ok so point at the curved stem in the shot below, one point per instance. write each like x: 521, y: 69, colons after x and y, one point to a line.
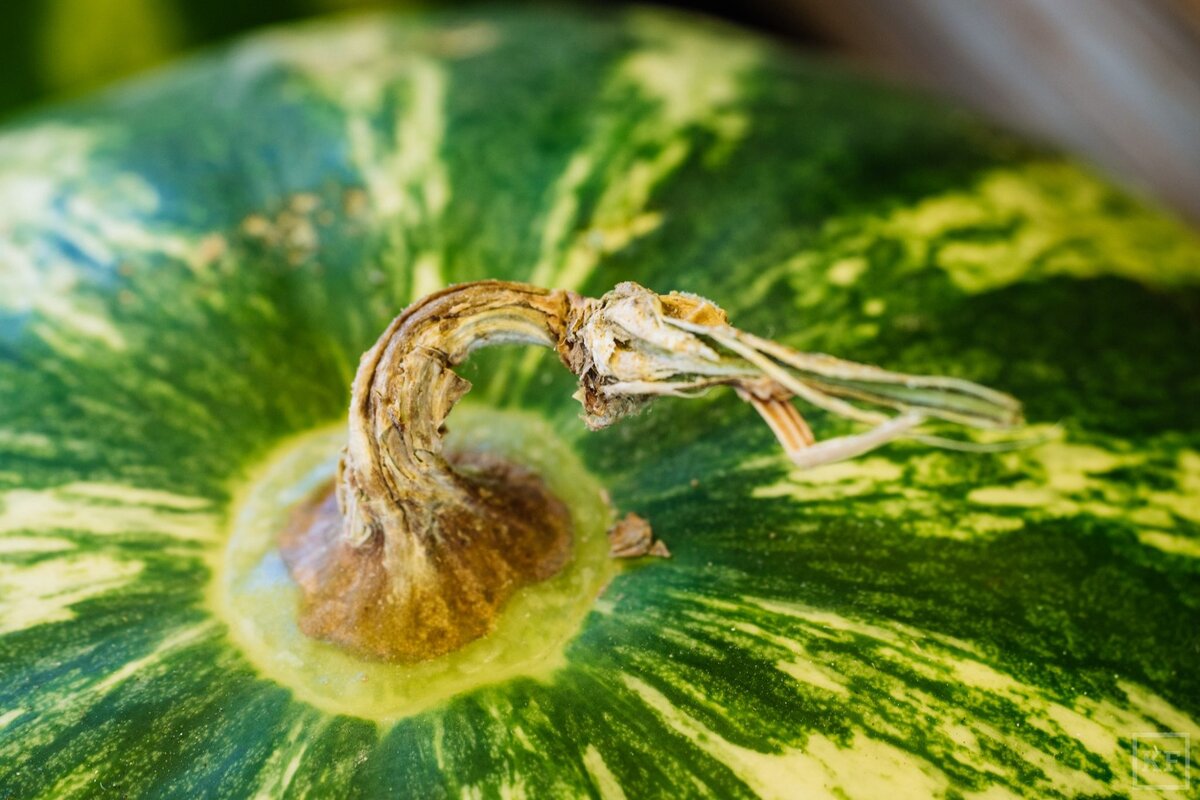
x: 405, y: 388
x: 418, y: 555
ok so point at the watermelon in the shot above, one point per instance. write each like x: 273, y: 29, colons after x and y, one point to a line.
x: 192, y: 264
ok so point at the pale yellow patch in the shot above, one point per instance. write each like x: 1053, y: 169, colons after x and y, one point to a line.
x: 894, y: 634
x: 27, y: 441
x: 1069, y: 479
x: 1185, y: 500
x: 349, y: 48
x: 519, y: 734
x: 692, y: 72
x: 50, y: 191
x: 1021, y: 497
x: 846, y: 271
x: 439, y: 741
x: 1102, y: 726
x: 983, y: 676
x: 134, y: 495
x: 691, y: 75
x: 1054, y: 479
x: 836, y: 481
x: 63, y: 312
x: 286, y: 758
x: 868, y: 768
x: 1068, y: 465
x: 564, y: 205
x: 804, y: 666
x: 407, y: 177
x: 612, y: 240
x: 107, y: 509
x: 81, y: 783
x: 1054, y: 221
x: 364, y: 66
x: 1155, y: 708
x: 10, y: 545
x: 513, y: 789
x: 178, y: 640
x: 602, y: 777
x: 909, y: 490
x: 427, y: 275
x: 975, y: 524
x: 603, y: 606
x: 758, y: 287
x: 1014, y: 223
x: 1169, y: 543
x: 41, y: 593
x: 808, y: 672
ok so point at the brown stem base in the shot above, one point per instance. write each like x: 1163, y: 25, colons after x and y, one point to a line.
x: 505, y: 530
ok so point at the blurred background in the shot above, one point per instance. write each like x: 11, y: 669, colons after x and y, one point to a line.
x: 1115, y: 81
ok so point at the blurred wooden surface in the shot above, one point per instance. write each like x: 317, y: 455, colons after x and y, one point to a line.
x: 1116, y: 81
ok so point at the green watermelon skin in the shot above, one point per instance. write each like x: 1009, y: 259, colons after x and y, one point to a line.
x: 193, y: 262
x: 53, y: 48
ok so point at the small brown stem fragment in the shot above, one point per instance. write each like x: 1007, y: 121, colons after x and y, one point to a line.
x: 414, y: 553
x: 632, y: 537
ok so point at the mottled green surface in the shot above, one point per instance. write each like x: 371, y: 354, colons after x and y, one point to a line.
x: 54, y: 48
x: 190, y: 267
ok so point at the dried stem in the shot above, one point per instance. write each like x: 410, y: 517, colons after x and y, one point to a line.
x: 436, y: 552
